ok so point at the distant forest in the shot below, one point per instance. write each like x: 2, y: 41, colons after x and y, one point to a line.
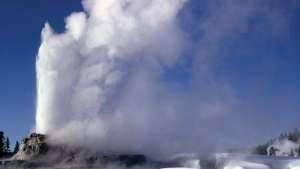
x: 269, y: 148
x: 5, y: 149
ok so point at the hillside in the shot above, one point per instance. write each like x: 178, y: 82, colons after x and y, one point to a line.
x: 287, y: 144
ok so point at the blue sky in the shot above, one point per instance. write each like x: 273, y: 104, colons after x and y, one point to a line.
x: 257, y: 53
x: 20, y: 30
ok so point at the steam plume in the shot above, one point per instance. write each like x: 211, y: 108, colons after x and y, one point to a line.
x: 102, y: 82
x: 84, y: 73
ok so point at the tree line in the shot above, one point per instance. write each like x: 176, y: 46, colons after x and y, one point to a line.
x: 293, y: 136
x: 5, y: 149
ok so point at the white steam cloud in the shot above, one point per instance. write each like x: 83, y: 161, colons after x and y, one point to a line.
x: 84, y: 74
x: 102, y: 82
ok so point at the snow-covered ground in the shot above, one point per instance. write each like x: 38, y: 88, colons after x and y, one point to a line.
x: 240, y: 161
x: 284, y: 147
x: 221, y: 161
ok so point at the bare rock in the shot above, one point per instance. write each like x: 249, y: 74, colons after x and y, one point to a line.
x: 32, y: 146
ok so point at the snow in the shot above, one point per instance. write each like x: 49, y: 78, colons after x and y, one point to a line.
x: 178, y: 168
x: 244, y: 161
x: 284, y: 148
x: 294, y: 165
x: 245, y: 164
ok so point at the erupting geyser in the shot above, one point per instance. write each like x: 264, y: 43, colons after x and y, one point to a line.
x: 79, y: 70
x: 100, y: 83
x: 84, y: 74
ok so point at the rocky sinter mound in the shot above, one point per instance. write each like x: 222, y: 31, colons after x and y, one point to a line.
x: 32, y: 146
x: 35, y: 152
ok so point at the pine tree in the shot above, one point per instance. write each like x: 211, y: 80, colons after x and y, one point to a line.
x: 261, y: 149
x: 7, y: 146
x: 296, y: 134
x: 2, y: 143
x: 17, y: 146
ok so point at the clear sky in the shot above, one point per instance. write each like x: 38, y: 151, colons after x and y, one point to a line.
x: 21, y: 25
x: 259, y: 55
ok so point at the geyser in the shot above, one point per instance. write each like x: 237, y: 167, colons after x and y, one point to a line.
x: 92, y: 80
x: 80, y: 71
x: 102, y: 83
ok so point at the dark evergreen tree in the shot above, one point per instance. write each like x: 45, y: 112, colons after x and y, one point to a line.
x: 7, y: 146
x: 2, y: 144
x: 17, y: 146
x: 294, y: 135
x: 273, y: 151
x: 261, y: 149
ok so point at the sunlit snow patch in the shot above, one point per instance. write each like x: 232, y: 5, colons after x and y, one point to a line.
x: 245, y: 165
x: 233, y: 167
x: 179, y: 168
x: 294, y: 165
